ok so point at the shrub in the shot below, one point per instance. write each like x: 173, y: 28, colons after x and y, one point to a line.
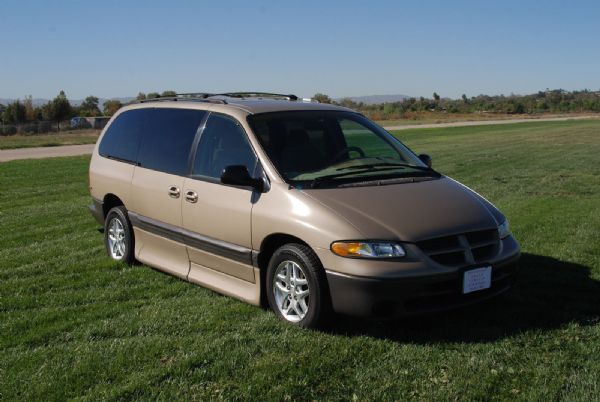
x: 44, y: 127
x: 8, y: 130
x: 28, y: 128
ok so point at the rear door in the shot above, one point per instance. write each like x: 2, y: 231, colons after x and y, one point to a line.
x: 157, y: 188
x: 216, y: 217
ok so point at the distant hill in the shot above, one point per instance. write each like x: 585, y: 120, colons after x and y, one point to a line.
x: 375, y: 99
x: 74, y: 102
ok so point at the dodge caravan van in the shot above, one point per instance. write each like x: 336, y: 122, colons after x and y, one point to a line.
x: 305, y: 207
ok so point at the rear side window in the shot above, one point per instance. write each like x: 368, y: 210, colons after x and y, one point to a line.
x: 122, y: 138
x: 223, y: 143
x: 168, y: 139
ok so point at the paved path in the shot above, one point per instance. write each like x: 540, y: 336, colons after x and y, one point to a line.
x: 72, y: 150
x: 45, y: 152
x: 486, y: 122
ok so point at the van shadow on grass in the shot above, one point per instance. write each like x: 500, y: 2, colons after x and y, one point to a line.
x: 549, y: 294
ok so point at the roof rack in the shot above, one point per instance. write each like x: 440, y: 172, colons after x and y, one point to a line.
x: 200, y: 97
x: 205, y: 95
x: 212, y: 98
x: 290, y: 97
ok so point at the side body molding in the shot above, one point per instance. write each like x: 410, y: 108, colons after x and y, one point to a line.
x: 224, y: 249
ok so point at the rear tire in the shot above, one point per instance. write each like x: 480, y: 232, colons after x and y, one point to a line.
x: 118, y: 236
x: 296, y: 286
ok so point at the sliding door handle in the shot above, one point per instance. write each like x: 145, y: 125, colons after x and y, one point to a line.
x: 174, y: 192
x: 191, y: 196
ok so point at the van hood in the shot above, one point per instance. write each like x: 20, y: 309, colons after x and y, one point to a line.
x: 411, y: 211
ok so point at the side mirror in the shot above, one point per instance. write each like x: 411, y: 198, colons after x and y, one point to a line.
x: 238, y: 175
x: 426, y: 159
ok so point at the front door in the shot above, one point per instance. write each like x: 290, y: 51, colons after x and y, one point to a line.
x: 217, y: 217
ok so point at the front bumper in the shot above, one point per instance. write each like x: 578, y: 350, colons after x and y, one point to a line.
x: 375, y: 297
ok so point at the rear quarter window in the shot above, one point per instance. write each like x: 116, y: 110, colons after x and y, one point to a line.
x: 122, y: 138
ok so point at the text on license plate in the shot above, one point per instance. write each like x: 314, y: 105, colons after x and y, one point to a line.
x: 477, y: 279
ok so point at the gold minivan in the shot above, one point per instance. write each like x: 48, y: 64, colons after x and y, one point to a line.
x: 305, y: 207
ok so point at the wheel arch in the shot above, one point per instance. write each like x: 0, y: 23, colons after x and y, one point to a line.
x: 110, y: 201
x: 267, y: 247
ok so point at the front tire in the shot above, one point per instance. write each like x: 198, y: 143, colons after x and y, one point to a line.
x: 118, y: 236
x: 297, y: 287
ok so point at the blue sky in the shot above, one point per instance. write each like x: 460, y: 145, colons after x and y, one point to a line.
x: 342, y: 48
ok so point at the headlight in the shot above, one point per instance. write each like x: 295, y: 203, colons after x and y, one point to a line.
x: 503, y: 229
x: 367, y: 249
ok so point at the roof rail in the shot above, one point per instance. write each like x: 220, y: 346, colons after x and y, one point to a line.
x: 206, y: 95
x: 202, y: 95
x: 212, y: 98
x: 187, y: 97
x: 291, y: 97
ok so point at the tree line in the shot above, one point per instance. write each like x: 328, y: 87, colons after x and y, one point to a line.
x: 60, y: 108
x: 548, y: 101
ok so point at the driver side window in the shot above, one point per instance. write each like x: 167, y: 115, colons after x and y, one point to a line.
x: 223, y: 143
x: 359, y: 136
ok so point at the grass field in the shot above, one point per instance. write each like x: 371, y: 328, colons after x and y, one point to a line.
x: 416, y: 118
x: 49, y: 140
x: 75, y: 325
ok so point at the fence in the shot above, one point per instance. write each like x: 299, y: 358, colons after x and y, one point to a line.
x: 45, y: 127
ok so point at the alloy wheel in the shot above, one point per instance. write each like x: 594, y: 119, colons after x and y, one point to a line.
x: 291, y: 291
x: 116, y: 239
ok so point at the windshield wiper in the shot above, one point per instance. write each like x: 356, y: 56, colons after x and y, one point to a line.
x: 316, y: 182
x: 385, y: 164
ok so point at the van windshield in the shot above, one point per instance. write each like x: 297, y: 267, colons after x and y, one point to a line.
x: 320, y: 146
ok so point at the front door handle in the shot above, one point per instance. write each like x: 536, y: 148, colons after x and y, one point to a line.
x: 191, y: 196
x: 174, y: 192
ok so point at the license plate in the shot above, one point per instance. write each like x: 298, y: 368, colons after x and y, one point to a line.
x: 477, y: 279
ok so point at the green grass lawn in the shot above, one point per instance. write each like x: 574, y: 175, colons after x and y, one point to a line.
x: 427, y: 117
x: 49, y: 140
x: 73, y: 324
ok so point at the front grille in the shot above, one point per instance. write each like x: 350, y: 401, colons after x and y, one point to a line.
x: 463, y: 249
